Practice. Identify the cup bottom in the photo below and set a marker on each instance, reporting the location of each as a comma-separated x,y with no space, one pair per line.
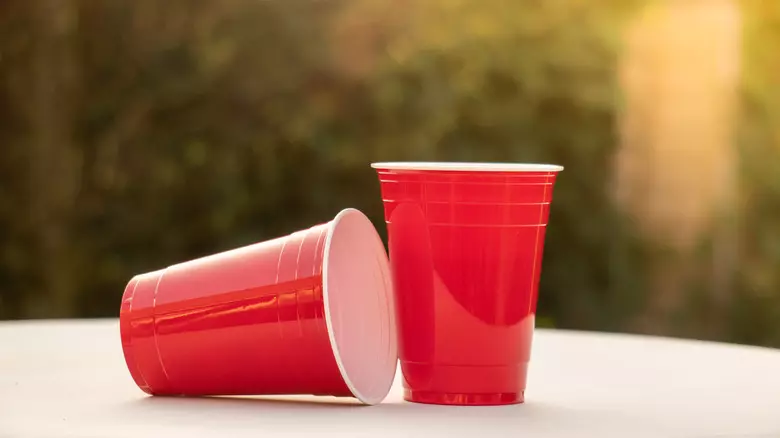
467,384
443,398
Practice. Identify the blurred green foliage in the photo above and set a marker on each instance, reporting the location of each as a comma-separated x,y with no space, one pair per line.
136,134
756,312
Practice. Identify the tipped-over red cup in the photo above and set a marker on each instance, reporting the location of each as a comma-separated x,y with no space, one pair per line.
466,243
308,313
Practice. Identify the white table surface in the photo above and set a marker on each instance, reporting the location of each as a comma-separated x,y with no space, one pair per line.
68,379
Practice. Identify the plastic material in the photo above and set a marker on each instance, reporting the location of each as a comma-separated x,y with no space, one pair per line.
466,243
308,313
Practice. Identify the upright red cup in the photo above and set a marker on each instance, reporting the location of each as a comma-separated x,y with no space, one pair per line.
308,313
466,243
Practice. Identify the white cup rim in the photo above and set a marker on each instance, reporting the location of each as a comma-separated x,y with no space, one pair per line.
467,167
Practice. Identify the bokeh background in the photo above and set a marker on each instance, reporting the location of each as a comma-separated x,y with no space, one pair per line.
138,133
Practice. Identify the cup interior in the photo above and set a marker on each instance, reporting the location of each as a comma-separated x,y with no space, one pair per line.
359,308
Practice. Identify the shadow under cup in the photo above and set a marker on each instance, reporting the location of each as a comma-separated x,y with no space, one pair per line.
466,243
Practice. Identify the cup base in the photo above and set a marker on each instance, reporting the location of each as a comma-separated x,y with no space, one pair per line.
444,398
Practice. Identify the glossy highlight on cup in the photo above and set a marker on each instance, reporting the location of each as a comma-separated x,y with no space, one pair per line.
466,243
307,313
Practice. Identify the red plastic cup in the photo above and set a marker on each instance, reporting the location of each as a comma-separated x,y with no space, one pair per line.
308,313
466,243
